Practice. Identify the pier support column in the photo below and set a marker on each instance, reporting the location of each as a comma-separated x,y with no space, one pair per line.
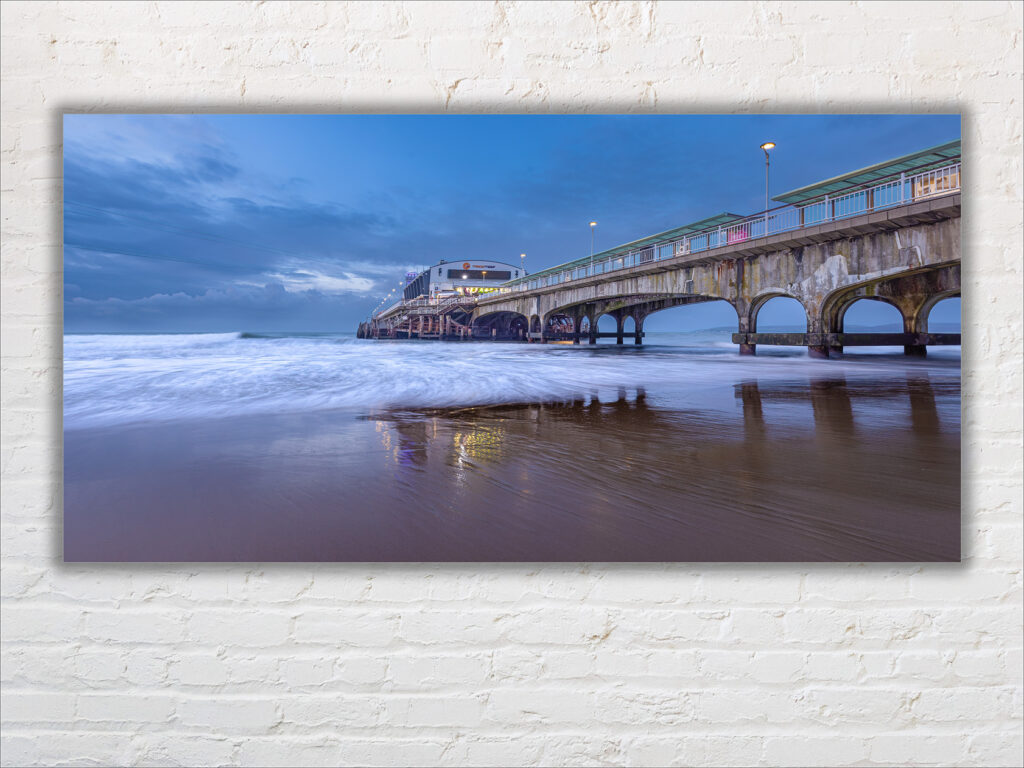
745,327
620,322
745,323
638,326
817,330
591,315
911,306
912,324
836,349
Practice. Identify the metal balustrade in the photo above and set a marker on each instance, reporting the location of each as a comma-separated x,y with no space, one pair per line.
417,305
887,194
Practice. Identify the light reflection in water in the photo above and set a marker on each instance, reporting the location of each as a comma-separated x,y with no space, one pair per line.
840,467
874,447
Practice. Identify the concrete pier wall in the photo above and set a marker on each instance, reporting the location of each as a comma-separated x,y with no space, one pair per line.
908,256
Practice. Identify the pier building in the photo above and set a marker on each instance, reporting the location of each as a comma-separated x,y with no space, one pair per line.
471,277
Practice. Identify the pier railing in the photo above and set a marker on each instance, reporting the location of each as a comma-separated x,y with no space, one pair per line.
387,310
439,306
895,191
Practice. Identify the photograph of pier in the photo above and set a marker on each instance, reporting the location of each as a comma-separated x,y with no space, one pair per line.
512,338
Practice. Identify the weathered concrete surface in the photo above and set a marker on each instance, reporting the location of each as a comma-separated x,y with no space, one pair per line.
908,256
845,339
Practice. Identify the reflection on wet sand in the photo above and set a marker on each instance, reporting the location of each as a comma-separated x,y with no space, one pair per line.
832,469
832,401
635,482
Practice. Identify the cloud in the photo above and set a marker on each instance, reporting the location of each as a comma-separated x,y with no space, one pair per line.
301,281
238,307
156,140
140,229
330,211
167,210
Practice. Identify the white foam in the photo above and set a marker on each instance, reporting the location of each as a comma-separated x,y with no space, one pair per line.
123,379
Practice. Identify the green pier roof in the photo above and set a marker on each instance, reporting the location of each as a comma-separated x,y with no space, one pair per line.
919,161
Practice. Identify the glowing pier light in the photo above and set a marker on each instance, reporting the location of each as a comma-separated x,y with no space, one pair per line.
766,146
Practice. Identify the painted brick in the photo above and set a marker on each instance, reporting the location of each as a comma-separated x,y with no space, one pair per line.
31,707
453,711
836,750
418,671
198,669
362,670
150,626
346,628
560,664
901,748
229,713
240,628
392,751
291,752
306,672
180,749
336,711
534,705
99,666
116,707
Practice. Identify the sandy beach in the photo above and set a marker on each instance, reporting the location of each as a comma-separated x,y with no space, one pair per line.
829,466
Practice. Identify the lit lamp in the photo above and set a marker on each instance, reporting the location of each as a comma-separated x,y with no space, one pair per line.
766,146
593,226
522,264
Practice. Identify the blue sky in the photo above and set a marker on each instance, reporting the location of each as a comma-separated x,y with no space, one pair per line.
303,222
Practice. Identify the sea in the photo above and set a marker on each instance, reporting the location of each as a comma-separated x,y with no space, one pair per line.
323,447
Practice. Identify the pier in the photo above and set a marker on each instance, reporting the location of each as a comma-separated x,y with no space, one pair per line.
423,319
889,232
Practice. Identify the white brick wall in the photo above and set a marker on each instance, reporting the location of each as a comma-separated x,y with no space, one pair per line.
385,664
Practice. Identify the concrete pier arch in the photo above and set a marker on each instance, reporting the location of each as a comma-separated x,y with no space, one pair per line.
935,306
501,326
857,316
908,254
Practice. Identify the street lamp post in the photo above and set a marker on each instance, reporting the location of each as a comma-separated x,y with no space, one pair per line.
593,226
522,264
766,146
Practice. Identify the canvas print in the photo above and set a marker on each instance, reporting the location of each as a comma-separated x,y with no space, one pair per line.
511,337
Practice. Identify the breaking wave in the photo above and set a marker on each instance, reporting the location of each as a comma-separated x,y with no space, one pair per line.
118,379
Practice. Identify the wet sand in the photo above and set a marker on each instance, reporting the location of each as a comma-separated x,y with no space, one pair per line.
819,470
